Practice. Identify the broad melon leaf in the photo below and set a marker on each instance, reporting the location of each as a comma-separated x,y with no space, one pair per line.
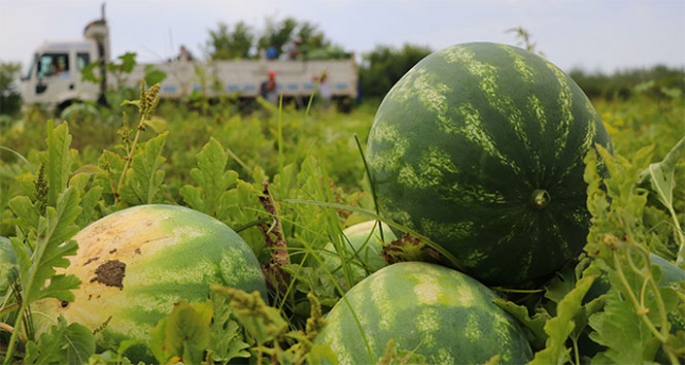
620,329
184,334
59,160
144,180
212,178
64,344
262,322
659,178
560,327
226,340
320,352
53,245
534,324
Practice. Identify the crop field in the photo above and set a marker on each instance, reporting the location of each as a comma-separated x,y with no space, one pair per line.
289,182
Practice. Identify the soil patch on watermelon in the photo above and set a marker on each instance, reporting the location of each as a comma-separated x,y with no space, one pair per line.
111,273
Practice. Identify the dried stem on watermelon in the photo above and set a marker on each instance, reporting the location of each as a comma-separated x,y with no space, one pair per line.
273,233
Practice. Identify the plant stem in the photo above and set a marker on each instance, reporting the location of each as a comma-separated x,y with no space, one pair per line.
6,327
636,303
129,157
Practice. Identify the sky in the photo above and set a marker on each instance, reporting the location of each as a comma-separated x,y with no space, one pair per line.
593,35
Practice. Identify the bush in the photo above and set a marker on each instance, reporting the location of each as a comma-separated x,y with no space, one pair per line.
385,65
10,98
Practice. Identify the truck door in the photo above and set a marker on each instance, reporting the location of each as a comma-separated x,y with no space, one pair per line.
54,78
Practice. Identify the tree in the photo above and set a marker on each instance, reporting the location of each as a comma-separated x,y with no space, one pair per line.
277,34
313,42
385,65
228,44
317,46
241,42
10,98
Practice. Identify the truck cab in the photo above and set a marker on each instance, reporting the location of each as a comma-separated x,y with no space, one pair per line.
54,78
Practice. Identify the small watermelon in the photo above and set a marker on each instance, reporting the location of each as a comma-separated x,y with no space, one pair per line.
136,263
480,148
439,313
362,246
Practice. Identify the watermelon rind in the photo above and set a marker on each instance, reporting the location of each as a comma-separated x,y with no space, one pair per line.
136,263
480,147
436,312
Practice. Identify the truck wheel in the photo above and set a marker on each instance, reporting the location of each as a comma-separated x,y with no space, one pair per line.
344,105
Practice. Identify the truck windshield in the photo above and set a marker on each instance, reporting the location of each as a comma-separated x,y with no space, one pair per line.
31,66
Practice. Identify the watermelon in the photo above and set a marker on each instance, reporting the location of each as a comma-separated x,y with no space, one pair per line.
439,313
480,148
362,245
136,263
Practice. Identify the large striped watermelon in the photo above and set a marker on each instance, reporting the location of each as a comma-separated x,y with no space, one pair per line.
480,148
440,313
136,263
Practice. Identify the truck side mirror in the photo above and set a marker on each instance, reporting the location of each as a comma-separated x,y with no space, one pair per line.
41,87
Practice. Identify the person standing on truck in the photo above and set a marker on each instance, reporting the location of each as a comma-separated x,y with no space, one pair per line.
268,88
271,53
292,49
185,55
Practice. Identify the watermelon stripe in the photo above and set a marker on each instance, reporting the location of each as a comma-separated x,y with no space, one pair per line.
473,130
379,299
391,160
499,102
520,64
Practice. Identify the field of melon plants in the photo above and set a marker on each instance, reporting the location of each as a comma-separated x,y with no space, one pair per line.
492,224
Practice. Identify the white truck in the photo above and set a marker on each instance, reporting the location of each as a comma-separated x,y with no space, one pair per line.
54,78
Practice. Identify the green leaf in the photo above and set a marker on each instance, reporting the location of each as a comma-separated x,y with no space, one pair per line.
64,344
88,72
128,61
25,211
89,198
536,324
212,179
59,160
320,352
144,180
620,329
262,322
560,327
154,75
52,246
659,178
184,334
226,340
